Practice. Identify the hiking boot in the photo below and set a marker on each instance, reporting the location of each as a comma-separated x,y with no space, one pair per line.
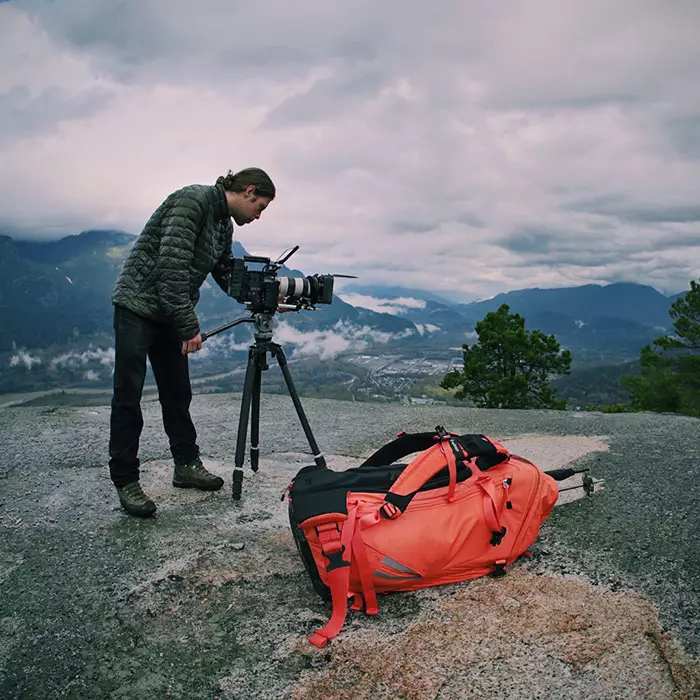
135,501
193,474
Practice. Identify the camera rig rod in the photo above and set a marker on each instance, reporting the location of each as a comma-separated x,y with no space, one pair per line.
226,326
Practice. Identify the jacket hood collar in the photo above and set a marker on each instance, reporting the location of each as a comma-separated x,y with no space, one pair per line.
219,203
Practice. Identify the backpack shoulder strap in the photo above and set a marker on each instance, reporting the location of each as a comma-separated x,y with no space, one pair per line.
485,451
404,444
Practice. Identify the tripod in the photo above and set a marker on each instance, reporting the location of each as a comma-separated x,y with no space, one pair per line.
250,403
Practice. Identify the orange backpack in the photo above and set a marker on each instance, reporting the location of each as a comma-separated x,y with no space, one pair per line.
464,507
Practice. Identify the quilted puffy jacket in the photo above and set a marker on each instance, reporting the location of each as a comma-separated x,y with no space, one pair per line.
187,237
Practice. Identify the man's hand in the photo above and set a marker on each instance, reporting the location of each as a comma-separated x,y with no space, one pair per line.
192,345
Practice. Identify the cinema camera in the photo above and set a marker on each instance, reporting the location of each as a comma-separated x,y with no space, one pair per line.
264,293
262,290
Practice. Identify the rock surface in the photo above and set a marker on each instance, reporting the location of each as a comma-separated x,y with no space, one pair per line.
209,598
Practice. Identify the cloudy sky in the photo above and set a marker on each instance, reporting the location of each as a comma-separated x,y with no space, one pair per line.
465,146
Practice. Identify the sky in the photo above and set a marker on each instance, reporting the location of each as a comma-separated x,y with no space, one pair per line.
467,147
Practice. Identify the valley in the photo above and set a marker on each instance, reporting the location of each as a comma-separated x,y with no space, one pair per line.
373,343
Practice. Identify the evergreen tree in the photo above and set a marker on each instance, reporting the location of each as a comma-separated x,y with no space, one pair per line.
670,378
509,367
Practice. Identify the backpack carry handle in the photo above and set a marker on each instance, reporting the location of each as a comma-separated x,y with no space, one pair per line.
451,450
444,453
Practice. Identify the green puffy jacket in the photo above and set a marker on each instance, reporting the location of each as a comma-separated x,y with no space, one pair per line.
186,238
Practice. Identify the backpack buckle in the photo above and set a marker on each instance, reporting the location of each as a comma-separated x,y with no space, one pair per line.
496,537
389,511
333,550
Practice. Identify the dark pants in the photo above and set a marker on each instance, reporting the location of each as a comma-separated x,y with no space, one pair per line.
135,339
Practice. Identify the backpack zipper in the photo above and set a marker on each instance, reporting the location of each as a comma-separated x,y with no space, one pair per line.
527,516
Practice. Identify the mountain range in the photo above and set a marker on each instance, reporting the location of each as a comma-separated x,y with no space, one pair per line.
55,299
597,322
52,292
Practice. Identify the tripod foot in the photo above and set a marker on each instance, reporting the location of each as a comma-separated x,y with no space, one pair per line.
237,483
254,457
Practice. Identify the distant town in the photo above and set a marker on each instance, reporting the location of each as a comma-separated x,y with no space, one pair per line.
396,375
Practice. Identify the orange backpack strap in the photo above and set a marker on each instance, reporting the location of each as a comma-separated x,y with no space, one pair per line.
339,546
488,501
444,453
335,545
452,469
358,551
448,450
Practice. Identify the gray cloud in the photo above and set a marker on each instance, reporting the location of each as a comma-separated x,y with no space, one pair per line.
684,134
528,239
675,242
683,213
641,212
467,146
23,114
423,225
668,262
326,98
214,41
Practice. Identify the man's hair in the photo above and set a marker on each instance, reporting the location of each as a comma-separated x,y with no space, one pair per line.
237,182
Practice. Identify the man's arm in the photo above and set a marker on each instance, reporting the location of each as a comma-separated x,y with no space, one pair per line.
222,270
181,224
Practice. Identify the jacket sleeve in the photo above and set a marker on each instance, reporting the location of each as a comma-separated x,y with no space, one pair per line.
181,224
222,270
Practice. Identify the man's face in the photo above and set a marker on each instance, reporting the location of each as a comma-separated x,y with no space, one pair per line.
246,206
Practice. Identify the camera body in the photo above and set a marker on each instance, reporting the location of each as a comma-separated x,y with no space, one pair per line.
261,290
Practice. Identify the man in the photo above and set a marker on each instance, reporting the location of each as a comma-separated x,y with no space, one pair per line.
188,237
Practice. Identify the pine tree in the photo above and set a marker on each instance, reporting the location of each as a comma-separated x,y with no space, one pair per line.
509,367
670,378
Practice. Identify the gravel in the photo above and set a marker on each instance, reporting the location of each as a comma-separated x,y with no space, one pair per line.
209,598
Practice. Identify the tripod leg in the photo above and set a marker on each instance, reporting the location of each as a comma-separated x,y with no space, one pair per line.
255,419
243,424
278,352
